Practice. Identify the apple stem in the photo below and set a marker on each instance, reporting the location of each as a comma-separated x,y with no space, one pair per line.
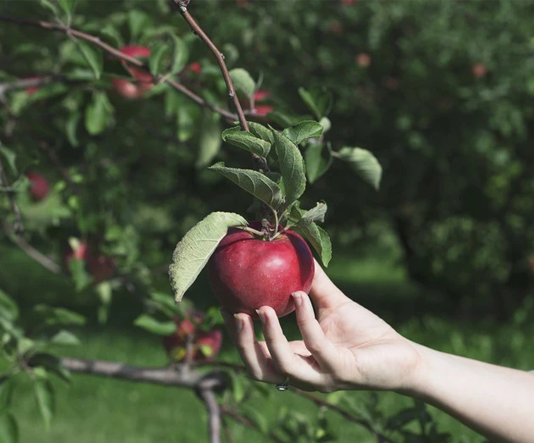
282,231
252,231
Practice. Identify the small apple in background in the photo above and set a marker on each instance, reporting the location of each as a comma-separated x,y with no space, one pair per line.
144,81
30,90
99,266
194,67
479,70
262,110
349,2
204,345
39,186
363,60
241,3
246,272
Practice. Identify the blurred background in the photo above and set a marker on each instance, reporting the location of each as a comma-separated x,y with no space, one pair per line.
442,93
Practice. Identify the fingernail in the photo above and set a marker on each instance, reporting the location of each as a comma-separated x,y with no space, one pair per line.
261,315
238,322
298,298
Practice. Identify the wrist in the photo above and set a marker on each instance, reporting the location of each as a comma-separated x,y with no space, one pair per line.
419,382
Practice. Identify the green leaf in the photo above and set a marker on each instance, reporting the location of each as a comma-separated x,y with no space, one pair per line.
92,56
51,363
154,326
210,140
9,430
47,4
316,164
246,141
65,338
319,239
315,214
67,5
402,418
310,102
105,294
180,54
318,101
44,395
254,182
71,127
292,166
58,316
157,57
194,250
303,131
238,387
8,308
6,394
113,33
364,163
261,131
243,82
79,274
97,113
206,350
11,157
137,21
257,418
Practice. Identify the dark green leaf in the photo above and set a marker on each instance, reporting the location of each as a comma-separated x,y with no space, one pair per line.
137,21
10,156
292,166
8,308
154,326
47,4
261,131
92,56
246,141
180,54
254,182
114,34
210,140
243,82
6,395
257,418
51,363
157,57
44,395
319,239
71,127
318,101
79,274
194,250
65,338
310,102
364,163
67,5
316,164
98,113
58,316
9,430
303,131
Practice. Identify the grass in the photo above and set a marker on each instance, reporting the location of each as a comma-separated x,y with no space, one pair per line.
95,410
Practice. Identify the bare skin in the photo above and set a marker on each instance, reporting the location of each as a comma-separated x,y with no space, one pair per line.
348,347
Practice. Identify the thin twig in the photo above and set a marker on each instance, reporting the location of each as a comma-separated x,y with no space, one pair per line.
227,434
247,423
214,414
25,83
39,257
18,226
117,53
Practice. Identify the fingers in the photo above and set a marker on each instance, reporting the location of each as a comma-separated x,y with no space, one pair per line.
322,349
324,292
255,356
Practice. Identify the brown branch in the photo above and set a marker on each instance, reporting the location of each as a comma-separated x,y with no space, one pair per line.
18,226
214,414
25,83
227,434
39,257
117,53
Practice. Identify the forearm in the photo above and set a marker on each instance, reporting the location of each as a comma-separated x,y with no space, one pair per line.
495,401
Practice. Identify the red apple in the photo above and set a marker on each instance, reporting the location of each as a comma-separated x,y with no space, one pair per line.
39,186
478,70
204,345
195,67
363,60
262,110
246,272
144,81
99,266
30,90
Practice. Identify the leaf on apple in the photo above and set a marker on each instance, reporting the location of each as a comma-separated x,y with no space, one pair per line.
246,141
292,166
194,250
364,163
303,131
254,182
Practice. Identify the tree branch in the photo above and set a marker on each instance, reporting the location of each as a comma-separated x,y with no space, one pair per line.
246,422
25,83
117,53
214,414
18,226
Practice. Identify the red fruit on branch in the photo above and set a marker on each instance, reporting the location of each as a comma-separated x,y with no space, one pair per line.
246,272
262,110
203,345
195,67
39,186
99,266
363,60
143,80
478,70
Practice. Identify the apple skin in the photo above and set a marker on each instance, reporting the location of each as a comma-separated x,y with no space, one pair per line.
246,273
39,186
176,344
99,266
144,81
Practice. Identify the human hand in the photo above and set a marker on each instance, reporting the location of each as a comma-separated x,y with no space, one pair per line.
346,347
